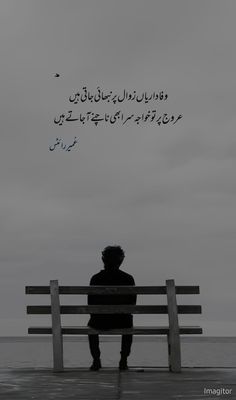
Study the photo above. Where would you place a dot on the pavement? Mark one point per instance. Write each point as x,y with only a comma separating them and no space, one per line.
109,383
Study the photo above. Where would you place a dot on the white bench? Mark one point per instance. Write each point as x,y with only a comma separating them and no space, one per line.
173,331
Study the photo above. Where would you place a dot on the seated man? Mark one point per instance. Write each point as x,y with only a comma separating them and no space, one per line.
112,257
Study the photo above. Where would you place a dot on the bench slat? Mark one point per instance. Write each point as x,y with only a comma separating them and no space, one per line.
114,309
153,330
104,290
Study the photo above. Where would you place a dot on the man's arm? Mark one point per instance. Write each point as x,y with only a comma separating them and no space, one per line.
92,299
132,298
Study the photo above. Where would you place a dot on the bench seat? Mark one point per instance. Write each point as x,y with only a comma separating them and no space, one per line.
136,330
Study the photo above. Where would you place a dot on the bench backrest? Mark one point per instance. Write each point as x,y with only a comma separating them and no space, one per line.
172,309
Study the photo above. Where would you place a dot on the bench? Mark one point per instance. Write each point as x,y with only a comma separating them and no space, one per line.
173,331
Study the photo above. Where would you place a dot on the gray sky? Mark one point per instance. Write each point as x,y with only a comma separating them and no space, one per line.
166,194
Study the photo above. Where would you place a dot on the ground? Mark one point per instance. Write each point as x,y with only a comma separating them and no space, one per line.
138,384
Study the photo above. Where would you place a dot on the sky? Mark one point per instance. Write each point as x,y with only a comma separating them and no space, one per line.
166,194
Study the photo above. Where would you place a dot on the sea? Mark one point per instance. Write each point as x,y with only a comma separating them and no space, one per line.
149,351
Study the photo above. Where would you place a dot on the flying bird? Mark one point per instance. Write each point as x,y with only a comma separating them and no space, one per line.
56,75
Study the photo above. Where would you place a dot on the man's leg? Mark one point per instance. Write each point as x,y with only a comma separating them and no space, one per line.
126,343
95,352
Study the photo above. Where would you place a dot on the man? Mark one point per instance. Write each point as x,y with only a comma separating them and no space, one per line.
112,257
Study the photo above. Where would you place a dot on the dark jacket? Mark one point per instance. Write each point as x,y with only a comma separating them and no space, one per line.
109,321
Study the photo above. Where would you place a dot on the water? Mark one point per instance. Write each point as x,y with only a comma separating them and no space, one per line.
36,352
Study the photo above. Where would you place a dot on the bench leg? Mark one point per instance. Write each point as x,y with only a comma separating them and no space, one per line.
174,353
56,327
57,353
173,336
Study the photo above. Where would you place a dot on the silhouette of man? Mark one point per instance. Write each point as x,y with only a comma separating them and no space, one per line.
112,257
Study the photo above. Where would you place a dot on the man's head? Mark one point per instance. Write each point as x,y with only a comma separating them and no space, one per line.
112,257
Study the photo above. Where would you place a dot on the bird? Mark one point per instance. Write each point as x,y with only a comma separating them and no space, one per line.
56,75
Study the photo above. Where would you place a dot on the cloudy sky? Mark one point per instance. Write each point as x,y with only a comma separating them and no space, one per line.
166,194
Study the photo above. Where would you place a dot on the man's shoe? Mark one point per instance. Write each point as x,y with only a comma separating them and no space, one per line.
96,365
123,364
